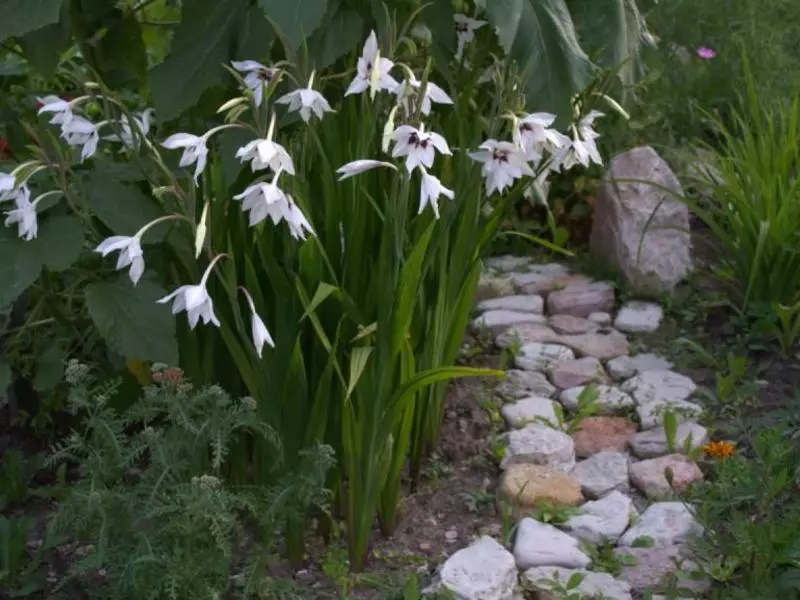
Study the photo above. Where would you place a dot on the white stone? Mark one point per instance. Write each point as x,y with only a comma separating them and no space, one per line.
624,367
593,585
602,473
659,386
644,569
520,384
602,521
538,444
665,523
639,317
539,544
540,357
533,409
640,228
482,571
507,262
653,442
601,318
610,399
529,303
581,371
497,321
652,414
526,333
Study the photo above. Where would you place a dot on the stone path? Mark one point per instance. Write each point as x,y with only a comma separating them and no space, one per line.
566,333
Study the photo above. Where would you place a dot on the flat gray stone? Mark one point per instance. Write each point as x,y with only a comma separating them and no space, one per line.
624,367
601,344
581,300
639,317
610,399
533,409
529,303
540,357
482,571
665,524
602,473
650,476
659,387
653,442
538,544
602,521
538,444
652,414
570,325
526,333
651,567
573,373
497,321
593,585
520,384
603,319
507,262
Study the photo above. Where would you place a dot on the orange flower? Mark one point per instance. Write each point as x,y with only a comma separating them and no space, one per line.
719,449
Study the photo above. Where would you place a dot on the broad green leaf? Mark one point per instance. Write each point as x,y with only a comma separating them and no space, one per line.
130,321
296,20
336,38
575,580
612,28
540,36
49,368
120,55
60,242
13,65
438,16
124,208
5,376
358,362
203,42
18,17
255,37
44,46
57,246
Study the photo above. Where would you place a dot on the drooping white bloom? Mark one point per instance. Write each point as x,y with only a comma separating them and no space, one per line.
307,100
195,150
433,93
535,136
130,254
417,145
7,187
582,148
257,77
260,332
129,137
79,131
372,70
357,167
264,200
266,154
62,109
430,190
503,163
24,215
194,299
465,30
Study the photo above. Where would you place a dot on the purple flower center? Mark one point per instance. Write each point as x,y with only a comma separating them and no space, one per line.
417,142
500,155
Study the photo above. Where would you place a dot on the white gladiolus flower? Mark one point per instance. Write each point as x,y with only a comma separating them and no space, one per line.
433,93
582,148
430,190
24,215
81,132
194,299
357,167
62,109
130,254
128,136
503,163
465,30
257,77
534,135
265,154
307,100
261,334
264,200
195,150
372,71
417,145
7,187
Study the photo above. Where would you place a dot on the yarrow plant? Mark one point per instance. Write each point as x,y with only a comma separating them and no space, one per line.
390,190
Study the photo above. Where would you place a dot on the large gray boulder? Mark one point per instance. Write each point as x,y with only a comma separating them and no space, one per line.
622,212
